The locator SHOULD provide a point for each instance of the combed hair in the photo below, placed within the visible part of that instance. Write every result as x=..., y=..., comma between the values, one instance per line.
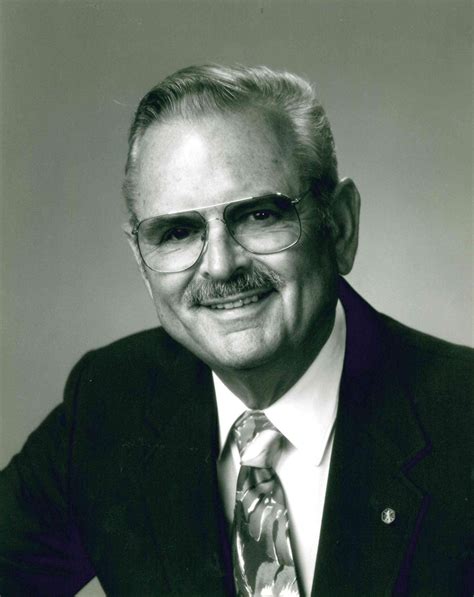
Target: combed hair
x=198, y=91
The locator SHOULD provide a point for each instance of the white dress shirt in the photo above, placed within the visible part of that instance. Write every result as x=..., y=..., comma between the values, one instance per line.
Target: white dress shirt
x=305, y=416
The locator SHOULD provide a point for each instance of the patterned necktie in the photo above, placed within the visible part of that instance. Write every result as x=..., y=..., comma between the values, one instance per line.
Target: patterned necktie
x=262, y=556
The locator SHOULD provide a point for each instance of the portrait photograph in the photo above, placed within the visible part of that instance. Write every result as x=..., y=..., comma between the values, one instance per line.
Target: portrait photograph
x=236, y=298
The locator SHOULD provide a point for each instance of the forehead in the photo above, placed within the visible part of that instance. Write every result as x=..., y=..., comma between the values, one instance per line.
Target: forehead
x=186, y=164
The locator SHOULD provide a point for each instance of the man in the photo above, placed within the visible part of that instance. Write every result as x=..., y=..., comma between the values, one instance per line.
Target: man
x=277, y=436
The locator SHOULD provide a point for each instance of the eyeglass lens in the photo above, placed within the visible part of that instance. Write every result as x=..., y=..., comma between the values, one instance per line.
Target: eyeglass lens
x=262, y=225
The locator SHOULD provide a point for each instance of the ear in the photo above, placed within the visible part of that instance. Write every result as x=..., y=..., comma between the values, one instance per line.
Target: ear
x=132, y=241
x=345, y=228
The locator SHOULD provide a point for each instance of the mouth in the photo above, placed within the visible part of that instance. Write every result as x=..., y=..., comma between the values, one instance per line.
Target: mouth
x=239, y=301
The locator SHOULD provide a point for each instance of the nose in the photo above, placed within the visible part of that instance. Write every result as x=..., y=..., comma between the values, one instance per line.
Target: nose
x=222, y=256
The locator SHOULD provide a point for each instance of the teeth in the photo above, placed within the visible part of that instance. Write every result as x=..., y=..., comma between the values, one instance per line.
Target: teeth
x=238, y=303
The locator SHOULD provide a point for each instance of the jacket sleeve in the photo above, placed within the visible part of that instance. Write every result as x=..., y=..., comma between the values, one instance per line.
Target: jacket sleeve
x=40, y=548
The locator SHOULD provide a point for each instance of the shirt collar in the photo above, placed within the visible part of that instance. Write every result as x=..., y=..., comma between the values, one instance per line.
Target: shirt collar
x=305, y=414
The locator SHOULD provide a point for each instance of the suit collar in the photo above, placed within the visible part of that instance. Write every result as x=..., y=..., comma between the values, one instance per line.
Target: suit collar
x=374, y=384
x=377, y=440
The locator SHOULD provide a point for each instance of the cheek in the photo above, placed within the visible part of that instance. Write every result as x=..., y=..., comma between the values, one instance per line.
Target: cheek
x=317, y=255
x=167, y=291
x=311, y=279
x=304, y=265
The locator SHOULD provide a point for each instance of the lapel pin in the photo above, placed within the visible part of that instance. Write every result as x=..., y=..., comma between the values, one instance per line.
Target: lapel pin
x=388, y=515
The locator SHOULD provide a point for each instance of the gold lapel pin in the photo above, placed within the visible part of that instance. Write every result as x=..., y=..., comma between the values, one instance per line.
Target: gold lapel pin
x=388, y=515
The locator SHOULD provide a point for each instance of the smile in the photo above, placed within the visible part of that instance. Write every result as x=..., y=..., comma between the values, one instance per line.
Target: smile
x=237, y=303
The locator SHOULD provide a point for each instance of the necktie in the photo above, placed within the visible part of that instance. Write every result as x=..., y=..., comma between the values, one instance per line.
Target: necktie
x=262, y=556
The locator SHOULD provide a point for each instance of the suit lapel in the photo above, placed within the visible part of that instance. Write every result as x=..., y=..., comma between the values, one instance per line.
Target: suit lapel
x=179, y=479
x=377, y=441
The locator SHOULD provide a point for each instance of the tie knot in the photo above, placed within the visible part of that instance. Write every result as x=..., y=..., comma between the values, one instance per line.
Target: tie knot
x=257, y=439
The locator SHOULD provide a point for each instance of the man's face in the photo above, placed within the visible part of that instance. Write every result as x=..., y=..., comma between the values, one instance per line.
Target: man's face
x=187, y=165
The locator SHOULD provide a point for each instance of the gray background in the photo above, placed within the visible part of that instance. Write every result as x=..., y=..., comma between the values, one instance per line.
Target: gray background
x=395, y=77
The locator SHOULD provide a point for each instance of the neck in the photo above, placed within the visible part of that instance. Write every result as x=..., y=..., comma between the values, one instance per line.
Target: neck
x=261, y=386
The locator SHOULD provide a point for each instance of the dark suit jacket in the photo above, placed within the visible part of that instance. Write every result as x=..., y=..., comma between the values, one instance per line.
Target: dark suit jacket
x=120, y=480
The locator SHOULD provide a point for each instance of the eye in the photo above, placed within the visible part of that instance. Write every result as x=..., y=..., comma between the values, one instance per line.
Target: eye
x=263, y=214
x=176, y=234
x=175, y=231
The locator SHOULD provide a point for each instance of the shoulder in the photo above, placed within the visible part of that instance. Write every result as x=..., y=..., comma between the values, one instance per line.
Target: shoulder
x=140, y=344
x=375, y=340
x=423, y=343
x=419, y=351
x=437, y=375
x=135, y=353
x=126, y=370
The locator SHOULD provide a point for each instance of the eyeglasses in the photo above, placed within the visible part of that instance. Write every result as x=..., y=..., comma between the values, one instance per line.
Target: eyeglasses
x=261, y=225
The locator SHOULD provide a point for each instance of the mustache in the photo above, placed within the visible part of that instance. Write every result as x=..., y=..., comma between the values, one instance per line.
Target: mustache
x=201, y=291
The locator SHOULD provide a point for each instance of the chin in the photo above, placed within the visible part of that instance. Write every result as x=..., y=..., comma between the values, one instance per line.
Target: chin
x=240, y=350
x=238, y=357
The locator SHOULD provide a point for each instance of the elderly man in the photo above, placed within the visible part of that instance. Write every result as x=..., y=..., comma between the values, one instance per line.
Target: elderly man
x=276, y=436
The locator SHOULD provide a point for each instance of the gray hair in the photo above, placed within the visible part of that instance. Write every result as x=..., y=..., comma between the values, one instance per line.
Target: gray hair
x=200, y=90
